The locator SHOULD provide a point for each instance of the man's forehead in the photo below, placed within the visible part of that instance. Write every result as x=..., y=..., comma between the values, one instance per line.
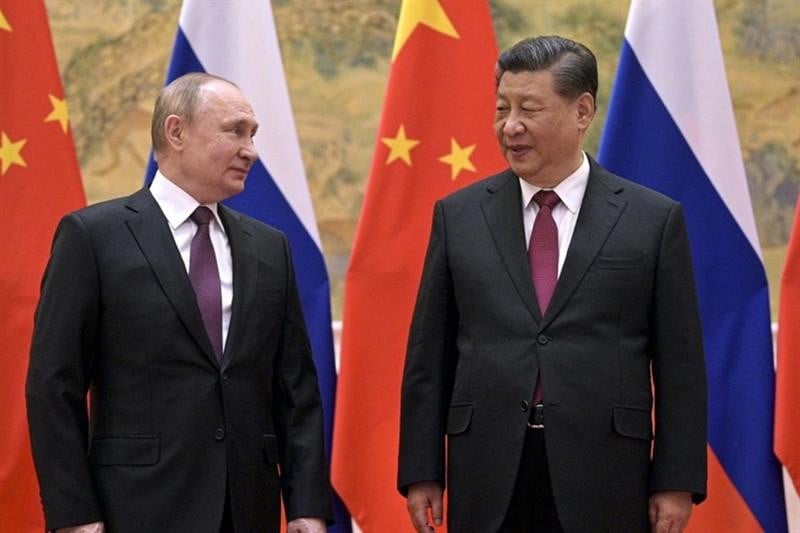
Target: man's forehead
x=525, y=82
x=227, y=96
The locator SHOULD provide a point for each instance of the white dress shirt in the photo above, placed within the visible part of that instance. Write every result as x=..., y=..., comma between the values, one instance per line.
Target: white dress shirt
x=565, y=214
x=177, y=205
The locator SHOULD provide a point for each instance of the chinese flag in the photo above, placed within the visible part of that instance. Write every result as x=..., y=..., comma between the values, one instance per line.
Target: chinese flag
x=435, y=136
x=39, y=183
x=787, y=382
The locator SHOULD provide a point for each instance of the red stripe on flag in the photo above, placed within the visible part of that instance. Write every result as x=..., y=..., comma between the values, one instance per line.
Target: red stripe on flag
x=724, y=510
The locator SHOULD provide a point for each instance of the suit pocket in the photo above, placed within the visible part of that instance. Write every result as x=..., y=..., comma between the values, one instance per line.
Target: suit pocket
x=633, y=422
x=271, y=449
x=458, y=418
x=607, y=262
x=124, y=451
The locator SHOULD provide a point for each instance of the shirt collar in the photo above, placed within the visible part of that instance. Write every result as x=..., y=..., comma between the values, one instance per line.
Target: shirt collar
x=570, y=190
x=177, y=204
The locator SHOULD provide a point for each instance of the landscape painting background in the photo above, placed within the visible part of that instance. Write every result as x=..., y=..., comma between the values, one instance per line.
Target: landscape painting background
x=113, y=56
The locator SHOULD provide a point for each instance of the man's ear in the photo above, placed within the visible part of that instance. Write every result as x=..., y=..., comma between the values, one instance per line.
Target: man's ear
x=174, y=132
x=585, y=109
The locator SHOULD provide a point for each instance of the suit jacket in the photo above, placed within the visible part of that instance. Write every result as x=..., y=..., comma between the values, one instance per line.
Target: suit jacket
x=624, y=309
x=169, y=429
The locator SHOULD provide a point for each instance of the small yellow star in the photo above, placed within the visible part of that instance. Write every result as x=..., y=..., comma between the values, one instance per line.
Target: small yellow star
x=4, y=25
x=415, y=12
x=400, y=146
x=9, y=153
x=458, y=159
x=59, y=112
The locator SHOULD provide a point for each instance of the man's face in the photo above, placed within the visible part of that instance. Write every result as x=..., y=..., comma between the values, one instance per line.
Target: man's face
x=539, y=131
x=218, y=148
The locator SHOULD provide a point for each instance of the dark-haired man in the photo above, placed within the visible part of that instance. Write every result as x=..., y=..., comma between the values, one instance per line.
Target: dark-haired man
x=550, y=296
x=182, y=318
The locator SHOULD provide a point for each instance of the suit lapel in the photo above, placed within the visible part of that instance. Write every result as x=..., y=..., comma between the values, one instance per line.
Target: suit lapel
x=600, y=210
x=151, y=231
x=502, y=209
x=245, y=272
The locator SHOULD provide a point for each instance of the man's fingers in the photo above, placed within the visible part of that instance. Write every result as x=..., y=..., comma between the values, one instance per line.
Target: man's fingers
x=436, y=511
x=419, y=515
x=422, y=497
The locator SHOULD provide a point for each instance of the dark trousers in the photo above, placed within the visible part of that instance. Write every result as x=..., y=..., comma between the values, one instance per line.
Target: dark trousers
x=532, y=507
x=227, y=520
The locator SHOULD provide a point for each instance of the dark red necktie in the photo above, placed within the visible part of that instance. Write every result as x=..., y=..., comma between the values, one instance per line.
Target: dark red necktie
x=204, y=275
x=543, y=258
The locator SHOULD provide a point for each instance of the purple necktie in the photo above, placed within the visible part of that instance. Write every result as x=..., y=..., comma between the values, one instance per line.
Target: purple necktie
x=543, y=258
x=204, y=275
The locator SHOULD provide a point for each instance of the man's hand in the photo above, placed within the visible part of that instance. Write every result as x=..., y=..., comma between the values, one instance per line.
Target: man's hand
x=306, y=525
x=421, y=497
x=95, y=527
x=670, y=511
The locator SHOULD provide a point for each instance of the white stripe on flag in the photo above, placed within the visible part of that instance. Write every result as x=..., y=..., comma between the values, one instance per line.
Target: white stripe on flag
x=219, y=47
x=673, y=44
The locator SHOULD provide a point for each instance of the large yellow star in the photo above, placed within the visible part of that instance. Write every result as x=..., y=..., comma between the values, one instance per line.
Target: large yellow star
x=9, y=153
x=415, y=12
x=4, y=25
x=458, y=159
x=59, y=112
x=400, y=146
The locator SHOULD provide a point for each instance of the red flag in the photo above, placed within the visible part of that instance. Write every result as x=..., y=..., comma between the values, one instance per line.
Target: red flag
x=787, y=380
x=39, y=182
x=435, y=136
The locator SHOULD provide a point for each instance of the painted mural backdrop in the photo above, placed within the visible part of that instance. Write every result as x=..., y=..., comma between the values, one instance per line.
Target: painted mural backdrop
x=113, y=56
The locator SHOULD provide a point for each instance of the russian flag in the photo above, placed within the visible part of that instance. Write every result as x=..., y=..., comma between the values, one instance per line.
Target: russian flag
x=238, y=41
x=671, y=127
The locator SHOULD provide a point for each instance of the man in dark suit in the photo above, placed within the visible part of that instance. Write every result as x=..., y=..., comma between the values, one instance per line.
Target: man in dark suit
x=182, y=318
x=551, y=294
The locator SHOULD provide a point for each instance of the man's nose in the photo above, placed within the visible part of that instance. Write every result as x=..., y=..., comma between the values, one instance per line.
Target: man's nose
x=248, y=151
x=512, y=126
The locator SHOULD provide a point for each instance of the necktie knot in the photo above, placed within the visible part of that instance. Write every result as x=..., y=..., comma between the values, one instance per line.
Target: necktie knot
x=202, y=215
x=547, y=199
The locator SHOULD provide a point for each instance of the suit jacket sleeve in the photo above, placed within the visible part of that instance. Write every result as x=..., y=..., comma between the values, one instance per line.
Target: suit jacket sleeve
x=679, y=454
x=429, y=368
x=298, y=415
x=59, y=374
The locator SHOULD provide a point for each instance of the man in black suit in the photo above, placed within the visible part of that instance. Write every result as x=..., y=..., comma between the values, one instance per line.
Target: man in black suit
x=182, y=318
x=551, y=294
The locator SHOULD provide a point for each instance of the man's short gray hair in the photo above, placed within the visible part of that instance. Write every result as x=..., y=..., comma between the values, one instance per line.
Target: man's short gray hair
x=182, y=97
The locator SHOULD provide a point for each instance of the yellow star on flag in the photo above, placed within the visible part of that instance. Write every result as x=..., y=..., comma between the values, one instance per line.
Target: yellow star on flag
x=427, y=12
x=458, y=159
x=400, y=146
x=10, y=153
x=59, y=112
x=4, y=25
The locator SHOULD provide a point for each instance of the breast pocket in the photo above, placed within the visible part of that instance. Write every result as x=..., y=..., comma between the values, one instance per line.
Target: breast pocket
x=608, y=262
x=617, y=273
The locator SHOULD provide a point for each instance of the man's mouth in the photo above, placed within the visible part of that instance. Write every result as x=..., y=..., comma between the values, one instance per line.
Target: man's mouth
x=518, y=149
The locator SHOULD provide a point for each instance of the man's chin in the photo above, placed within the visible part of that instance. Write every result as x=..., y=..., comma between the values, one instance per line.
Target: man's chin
x=235, y=188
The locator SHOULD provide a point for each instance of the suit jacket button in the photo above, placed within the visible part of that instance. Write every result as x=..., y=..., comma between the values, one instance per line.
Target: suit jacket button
x=219, y=434
x=542, y=339
x=524, y=405
x=224, y=377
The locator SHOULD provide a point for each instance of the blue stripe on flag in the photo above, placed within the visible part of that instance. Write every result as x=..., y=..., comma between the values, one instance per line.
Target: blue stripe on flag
x=642, y=142
x=263, y=200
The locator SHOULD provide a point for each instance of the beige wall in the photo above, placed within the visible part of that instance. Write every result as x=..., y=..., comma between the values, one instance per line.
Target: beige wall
x=113, y=56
